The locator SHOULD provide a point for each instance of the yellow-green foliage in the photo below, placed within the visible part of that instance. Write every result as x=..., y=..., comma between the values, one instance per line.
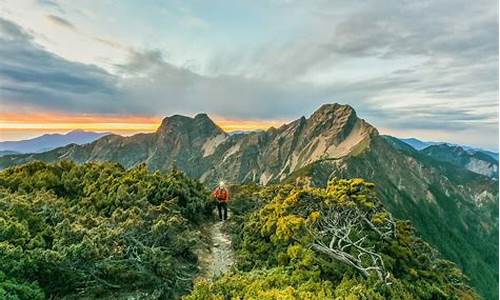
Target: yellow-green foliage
x=95, y=229
x=275, y=260
x=276, y=283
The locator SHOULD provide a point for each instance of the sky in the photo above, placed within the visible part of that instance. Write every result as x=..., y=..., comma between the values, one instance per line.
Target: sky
x=425, y=69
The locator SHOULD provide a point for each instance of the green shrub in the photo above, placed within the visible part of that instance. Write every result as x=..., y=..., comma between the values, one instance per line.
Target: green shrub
x=276, y=258
x=96, y=229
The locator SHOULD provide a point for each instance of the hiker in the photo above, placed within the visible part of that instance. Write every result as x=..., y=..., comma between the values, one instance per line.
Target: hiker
x=221, y=193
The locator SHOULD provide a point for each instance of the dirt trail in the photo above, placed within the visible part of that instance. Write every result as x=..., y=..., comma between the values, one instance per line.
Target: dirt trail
x=217, y=257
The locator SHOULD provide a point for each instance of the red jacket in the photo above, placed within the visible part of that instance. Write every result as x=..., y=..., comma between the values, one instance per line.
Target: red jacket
x=221, y=194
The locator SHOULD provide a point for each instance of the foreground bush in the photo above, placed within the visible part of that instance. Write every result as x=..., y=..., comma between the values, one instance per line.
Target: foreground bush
x=96, y=229
x=332, y=243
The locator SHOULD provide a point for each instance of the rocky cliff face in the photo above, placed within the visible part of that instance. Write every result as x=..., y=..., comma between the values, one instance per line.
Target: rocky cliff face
x=203, y=150
x=333, y=131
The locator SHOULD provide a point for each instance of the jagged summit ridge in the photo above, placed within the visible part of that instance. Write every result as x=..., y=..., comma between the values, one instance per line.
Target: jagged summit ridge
x=185, y=122
x=200, y=147
x=332, y=110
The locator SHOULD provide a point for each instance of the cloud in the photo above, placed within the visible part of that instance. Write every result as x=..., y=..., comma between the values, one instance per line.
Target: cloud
x=142, y=61
x=12, y=32
x=111, y=43
x=33, y=77
x=59, y=21
x=64, y=23
x=428, y=65
x=51, y=5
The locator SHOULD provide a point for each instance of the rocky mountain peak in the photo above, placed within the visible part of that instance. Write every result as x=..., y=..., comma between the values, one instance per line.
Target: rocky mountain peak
x=174, y=120
x=332, y=110
x=203, y=120
x=340, y=120
x=201, y=123
x=332, y=142
x=333, y=116
x=202, y=116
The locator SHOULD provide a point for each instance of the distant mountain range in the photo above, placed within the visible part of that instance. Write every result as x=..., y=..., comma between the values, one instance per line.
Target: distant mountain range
x=420, y=145
x=453, y=208
x=7, y=152
x=477, y=160
x=48, y=142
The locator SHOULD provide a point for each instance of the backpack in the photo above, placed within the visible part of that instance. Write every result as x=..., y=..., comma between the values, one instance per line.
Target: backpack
x=221, y=194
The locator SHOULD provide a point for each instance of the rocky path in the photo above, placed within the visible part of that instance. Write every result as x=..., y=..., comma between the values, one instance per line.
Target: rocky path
x=218, y=256
x=221, y=250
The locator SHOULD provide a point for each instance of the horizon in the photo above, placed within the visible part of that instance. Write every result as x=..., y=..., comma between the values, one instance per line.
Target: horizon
x=424, y=70
x=229, y=126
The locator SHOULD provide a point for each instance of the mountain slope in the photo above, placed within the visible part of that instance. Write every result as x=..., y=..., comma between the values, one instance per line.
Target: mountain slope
x=98, y=231
x=476, y=162
x=47, y=142
x=284, y=239
x=453, y=208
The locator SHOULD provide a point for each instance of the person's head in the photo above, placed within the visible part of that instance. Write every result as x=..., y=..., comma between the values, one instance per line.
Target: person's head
x=222, y=185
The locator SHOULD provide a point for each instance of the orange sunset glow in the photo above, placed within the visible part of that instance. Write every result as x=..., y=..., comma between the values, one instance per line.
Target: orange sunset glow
x=20, y=126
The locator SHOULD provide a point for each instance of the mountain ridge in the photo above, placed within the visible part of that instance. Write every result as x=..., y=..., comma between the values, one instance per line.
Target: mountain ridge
x=421, y=145
x=477, y=162
x=47, y=142
x=333, y=130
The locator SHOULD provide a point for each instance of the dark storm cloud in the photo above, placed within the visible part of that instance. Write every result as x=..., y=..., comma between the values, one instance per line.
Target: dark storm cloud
x=32, y=76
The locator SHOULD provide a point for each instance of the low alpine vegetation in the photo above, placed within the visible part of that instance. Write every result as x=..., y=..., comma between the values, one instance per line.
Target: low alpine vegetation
x=99, y=231
x=298, y=242
x=96, y=230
